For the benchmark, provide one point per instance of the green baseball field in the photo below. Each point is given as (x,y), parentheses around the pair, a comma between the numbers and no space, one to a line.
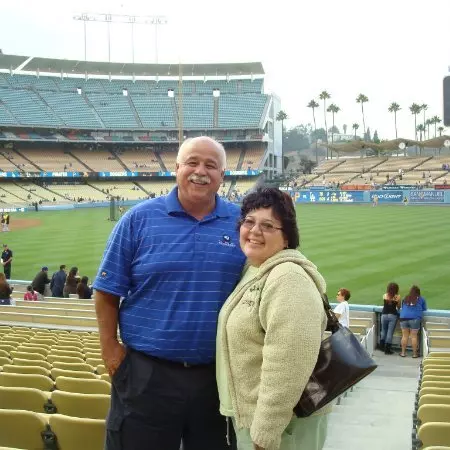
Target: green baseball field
(358,247)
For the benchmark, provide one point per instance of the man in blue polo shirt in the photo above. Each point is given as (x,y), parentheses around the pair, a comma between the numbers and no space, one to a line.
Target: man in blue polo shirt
(173,260)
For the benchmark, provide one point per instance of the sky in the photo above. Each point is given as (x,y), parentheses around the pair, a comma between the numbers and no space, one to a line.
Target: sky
(389,50)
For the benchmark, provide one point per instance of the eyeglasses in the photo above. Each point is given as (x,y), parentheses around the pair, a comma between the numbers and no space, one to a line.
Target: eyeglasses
(265,227)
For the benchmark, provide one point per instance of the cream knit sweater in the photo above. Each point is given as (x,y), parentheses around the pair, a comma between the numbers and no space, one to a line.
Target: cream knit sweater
(270,333)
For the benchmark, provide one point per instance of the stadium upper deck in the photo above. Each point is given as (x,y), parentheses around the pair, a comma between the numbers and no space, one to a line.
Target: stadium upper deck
(50,101)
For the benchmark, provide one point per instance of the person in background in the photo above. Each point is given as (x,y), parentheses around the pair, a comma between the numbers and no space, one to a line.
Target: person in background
(39,282)
(270,331)
(31,294)
(7,256)
(5,290)
(58,281)
(70,286)
(168,267)
(83,290)
(389,317)
(342,310)
(411,313)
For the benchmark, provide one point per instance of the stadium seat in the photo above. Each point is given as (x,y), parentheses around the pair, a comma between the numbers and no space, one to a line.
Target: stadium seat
(90,406)
(27,355)
(438,372)
(56,372)
(73,366)
(75,433)
(101,369)
(433,399)
(7,347)
(436,361)
(434,433)
(12,368)
(25,348)
(28,399)
(435,390)
(4,360)
(69,353)
(31,362)
(65,348)
(428,377)
(433,413)
(83,386)
(21,429)
(94,361)
(51,358)
(26,380)
(106,377)
(34,345)
(4,354)
(438,355)
(75,343)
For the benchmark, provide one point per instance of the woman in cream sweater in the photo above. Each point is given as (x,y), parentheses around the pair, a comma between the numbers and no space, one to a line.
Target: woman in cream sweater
(270,330)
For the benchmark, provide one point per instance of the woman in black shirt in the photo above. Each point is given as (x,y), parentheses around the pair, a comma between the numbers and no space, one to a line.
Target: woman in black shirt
(83,290)
(389,317)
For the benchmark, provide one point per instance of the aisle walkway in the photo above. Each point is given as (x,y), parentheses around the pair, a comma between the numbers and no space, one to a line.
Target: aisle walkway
(378,413)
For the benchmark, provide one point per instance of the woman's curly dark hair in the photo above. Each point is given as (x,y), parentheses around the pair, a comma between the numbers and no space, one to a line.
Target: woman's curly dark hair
(282,208)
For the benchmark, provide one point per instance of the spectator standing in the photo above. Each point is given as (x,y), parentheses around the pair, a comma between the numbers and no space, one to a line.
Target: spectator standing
(5,290)
(6,259)
(83,290)
(71,282)
(413,307)
(39,282)
(342,310)
(173,260)
(31,294)
(389,317)
(268,339)
(58,281)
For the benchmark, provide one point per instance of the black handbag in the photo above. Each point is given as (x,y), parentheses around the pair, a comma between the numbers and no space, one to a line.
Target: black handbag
(342,362)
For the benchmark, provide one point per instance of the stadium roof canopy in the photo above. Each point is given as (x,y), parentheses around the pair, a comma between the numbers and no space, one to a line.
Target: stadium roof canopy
(11,61)
(436,142)
(355,146)
(72,67)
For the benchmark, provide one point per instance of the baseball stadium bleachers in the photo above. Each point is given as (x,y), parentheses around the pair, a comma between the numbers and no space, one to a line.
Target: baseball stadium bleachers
(99,103)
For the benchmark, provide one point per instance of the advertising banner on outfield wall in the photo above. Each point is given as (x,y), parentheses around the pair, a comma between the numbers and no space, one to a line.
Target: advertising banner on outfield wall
(426,196)
(329,196)
(387,196)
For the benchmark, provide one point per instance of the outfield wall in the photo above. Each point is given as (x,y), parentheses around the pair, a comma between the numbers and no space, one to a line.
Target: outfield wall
(418,197)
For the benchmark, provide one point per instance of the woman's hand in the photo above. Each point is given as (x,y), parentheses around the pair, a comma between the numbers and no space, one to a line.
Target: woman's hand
(257,447)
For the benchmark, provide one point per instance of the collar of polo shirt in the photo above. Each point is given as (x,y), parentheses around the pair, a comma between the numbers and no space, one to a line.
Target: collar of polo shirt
(173,205)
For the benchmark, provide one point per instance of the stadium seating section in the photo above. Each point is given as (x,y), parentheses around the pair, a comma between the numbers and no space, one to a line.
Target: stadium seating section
(367,171)
(29,100)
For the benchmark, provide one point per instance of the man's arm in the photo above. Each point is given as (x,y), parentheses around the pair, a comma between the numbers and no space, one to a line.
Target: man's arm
(107,310)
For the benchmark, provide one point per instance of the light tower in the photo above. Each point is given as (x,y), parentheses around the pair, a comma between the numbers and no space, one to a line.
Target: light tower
(155,21)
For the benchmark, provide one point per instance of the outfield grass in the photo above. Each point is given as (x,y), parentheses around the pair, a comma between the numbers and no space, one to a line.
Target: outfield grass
(355,246)
(363,248)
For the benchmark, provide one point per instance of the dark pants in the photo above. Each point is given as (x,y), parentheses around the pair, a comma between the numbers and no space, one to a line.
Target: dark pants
(7,271)
(155,404)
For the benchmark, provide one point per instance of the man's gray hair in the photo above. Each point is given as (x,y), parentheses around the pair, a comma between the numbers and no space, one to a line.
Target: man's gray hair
(192,141)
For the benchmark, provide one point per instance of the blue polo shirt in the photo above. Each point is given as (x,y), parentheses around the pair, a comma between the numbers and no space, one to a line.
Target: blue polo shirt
(174,273)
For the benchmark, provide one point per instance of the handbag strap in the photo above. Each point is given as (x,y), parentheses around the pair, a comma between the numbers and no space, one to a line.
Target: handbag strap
(332,320)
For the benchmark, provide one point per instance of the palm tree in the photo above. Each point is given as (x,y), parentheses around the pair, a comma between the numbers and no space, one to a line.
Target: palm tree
(281,117)
(324,95)
(333,109)
(395,108)
(424,107)
(415,109)
(313,105)
(428,122)
(344,127)
(435,120)
(355,126)
(421,129)
(362,99)
(441,130)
